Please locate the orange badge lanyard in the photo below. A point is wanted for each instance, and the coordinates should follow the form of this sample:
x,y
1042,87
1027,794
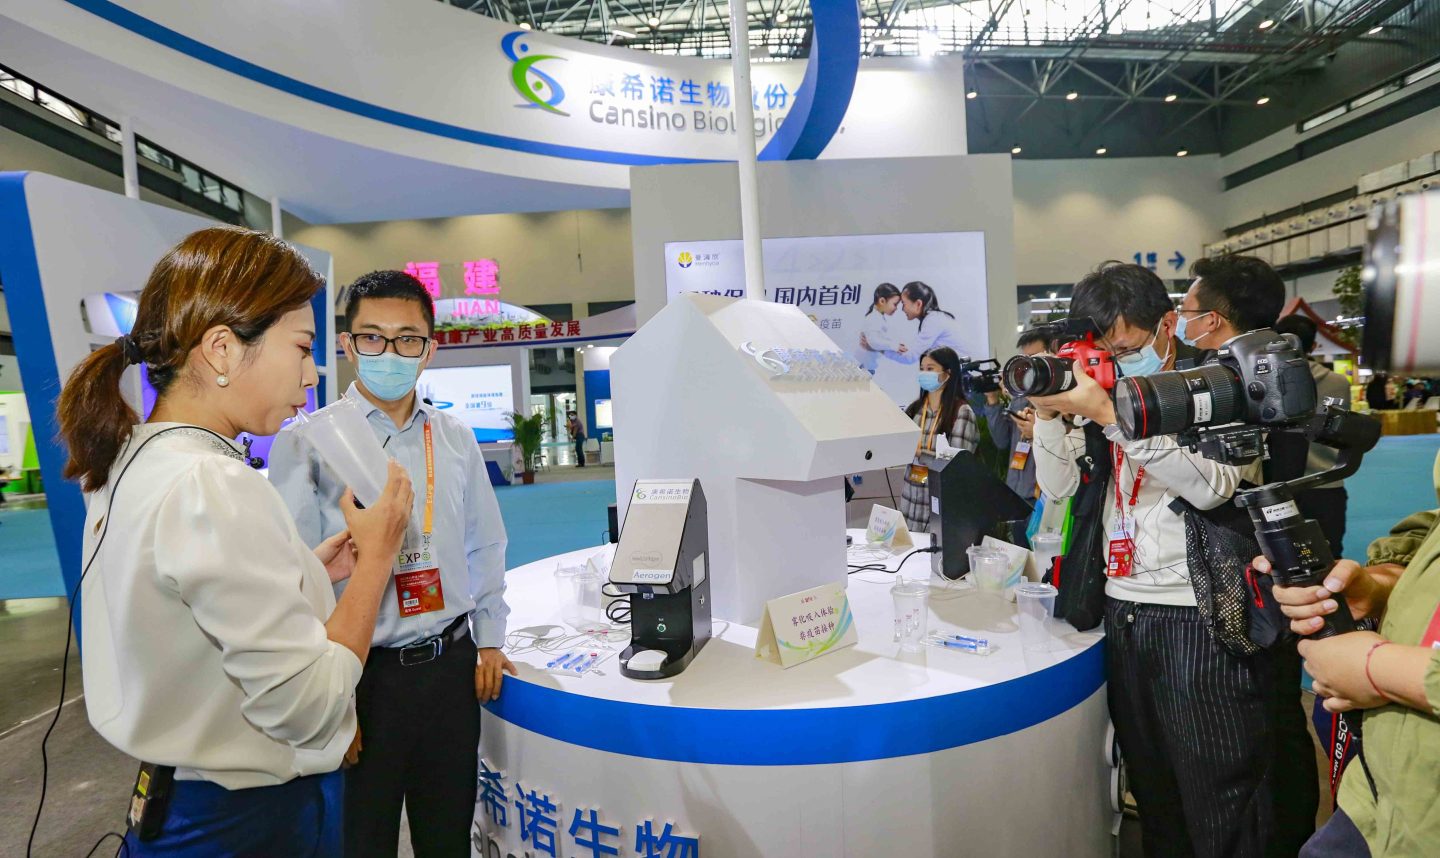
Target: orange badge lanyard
x,y
429,524
927,443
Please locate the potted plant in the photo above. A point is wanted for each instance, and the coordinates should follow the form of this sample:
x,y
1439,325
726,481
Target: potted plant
x,y
529,435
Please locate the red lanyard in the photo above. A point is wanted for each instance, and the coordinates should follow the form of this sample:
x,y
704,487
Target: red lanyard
x,y
1134,491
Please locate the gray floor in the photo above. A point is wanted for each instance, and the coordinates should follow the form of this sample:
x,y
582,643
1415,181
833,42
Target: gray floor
x,y
89,780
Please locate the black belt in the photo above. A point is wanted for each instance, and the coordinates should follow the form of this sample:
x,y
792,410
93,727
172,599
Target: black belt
x,y
431,648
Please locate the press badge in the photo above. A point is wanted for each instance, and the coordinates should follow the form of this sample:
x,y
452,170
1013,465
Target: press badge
x,y
1021,456
1121,559
417,581
919,475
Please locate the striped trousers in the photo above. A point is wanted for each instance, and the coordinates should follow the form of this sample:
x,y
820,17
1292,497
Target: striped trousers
x,y
1201,732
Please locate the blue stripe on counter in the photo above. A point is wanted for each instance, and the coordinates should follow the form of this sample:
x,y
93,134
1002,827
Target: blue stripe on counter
x,y
800,737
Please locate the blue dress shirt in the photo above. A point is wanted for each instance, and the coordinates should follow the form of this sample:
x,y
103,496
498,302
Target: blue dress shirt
x,y
468,534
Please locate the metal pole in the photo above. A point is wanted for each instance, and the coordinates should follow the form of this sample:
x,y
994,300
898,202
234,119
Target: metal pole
x,y
745,133
277,218
129,168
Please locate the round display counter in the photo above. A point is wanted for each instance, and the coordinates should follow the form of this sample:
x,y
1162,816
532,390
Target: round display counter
x,y
865,751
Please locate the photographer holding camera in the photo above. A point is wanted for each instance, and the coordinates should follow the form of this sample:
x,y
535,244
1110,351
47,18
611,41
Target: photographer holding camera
x,y
1196,723
1012,428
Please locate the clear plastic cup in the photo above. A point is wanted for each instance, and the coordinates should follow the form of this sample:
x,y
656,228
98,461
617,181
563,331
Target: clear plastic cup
x,y
912,613
580,603
344,440
990,568
1047,546
1035,605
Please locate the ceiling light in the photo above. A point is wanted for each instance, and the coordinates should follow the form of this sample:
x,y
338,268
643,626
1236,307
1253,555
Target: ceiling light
x,y
524,25
781,17
929,43
1015,150
1071,95
1182,153
1375,29
1263,100
972,94
1171,98
1101,151
654,21
1267,23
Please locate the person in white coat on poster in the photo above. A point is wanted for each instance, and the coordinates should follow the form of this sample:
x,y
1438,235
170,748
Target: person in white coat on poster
x,y
876,333
938,328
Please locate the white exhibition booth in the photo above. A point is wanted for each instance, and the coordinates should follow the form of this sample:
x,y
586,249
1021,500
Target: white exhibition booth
x,y
866,750
863,751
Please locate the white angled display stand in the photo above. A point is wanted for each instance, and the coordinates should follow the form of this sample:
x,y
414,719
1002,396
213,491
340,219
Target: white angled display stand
x,y
770,438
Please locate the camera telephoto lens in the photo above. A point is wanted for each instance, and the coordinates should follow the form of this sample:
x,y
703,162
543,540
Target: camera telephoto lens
x,y
1168,402
1041,375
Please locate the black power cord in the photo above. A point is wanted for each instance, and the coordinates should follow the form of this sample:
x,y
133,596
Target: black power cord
x,y
69,632
880,567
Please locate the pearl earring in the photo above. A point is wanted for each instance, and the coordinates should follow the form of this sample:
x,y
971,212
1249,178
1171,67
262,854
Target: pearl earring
x,y
223,381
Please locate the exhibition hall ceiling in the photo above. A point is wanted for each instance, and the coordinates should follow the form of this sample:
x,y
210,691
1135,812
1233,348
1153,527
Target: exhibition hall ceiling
x,y
1067,78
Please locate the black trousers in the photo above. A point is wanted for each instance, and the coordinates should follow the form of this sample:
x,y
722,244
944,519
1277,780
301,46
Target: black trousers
x,y
580,452
1198,730
420,731
1328,508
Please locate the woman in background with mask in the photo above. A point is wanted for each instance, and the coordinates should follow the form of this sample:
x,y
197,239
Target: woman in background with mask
x,y
941,407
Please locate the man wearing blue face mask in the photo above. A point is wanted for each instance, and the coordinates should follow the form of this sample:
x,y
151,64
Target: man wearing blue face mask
x,y
1194,722
435,655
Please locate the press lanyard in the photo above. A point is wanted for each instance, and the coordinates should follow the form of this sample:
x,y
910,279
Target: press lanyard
x,y
1134,491
429,483
927,443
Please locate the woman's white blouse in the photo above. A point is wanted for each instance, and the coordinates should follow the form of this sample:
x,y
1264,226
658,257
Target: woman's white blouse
x,y
204,642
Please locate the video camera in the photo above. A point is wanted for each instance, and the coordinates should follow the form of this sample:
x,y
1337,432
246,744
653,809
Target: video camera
x,y
1047,375
979,376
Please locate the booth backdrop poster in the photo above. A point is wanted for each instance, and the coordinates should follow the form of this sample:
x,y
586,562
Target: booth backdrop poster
x,y
480,396
834,278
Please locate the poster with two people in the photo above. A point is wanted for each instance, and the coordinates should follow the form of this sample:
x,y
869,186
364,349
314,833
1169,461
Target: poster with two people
x,y
883,299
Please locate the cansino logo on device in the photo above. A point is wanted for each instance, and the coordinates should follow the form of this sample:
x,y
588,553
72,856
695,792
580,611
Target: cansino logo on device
x,y
535,86
685,259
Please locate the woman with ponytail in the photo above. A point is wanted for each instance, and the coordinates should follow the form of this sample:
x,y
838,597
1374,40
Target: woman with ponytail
x,y
215,648
938,328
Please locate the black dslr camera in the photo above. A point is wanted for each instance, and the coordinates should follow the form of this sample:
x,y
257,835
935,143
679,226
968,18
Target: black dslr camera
x,y
1260,378
1258,383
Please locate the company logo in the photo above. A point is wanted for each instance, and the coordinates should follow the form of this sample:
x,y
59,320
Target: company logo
x,y
535,86
685,259
441,406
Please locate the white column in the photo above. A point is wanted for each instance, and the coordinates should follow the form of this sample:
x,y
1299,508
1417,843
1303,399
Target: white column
x,y
129,168
745,134
277,218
